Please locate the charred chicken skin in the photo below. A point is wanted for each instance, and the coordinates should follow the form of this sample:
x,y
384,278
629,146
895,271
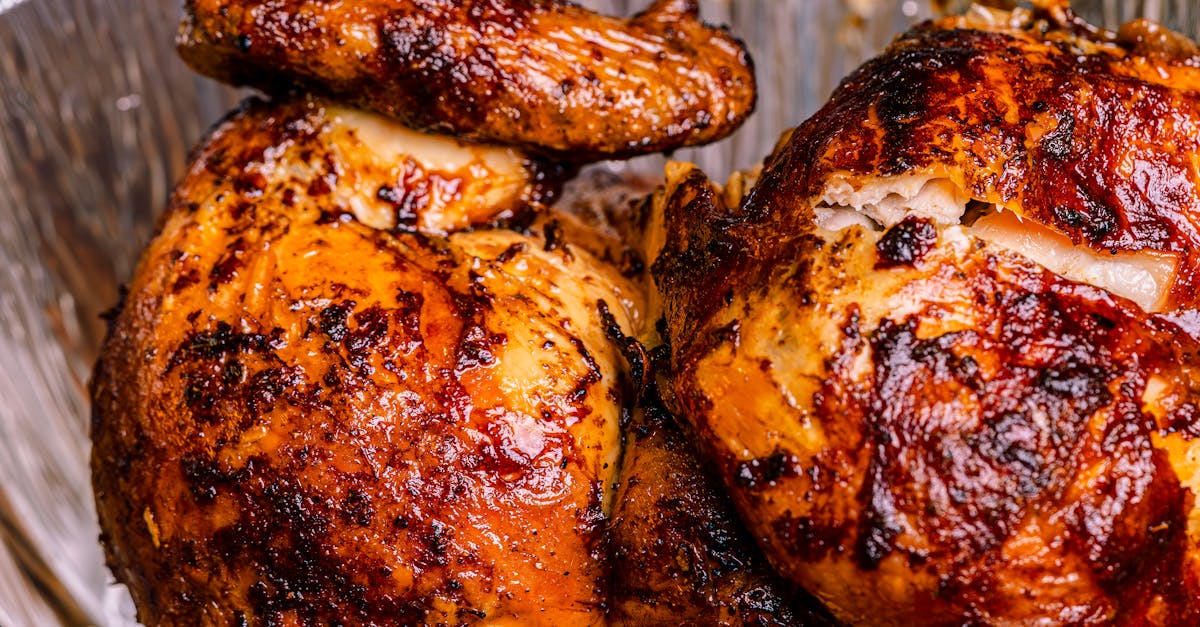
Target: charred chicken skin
x,y
305,418
943,352
545,75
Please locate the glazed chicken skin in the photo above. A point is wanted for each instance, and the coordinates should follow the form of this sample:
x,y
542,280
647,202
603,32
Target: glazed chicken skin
x,y
302,418
544,75
930,395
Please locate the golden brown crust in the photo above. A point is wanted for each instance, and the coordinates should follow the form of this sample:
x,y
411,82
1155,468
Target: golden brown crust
x,y
543,75
1090,132
958,437
299,418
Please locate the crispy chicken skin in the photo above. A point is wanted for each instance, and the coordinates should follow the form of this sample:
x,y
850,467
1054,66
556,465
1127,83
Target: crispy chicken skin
x,y
544,75
300,418
924,426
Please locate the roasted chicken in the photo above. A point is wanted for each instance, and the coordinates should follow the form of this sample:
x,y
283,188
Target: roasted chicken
x,y
363,375
682,557
544,75
943,352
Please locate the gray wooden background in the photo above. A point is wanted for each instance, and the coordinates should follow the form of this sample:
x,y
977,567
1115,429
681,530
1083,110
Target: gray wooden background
x,y
96,117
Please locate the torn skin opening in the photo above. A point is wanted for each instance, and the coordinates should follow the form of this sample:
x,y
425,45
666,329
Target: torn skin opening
x,y
1144,277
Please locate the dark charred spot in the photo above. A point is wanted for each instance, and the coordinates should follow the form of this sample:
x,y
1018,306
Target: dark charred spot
x,y
228,265
233,373
186,279
204,476
1015,438
763,472
593,375
905,243
631,263
631,349
371,330
1184,419
1068,216
511,252
358,508
410,196
320,186
437,540
1095,220
903,104
250,184
1057,143
1084,383
266,387
334,217
389,194
476,347
216,343
553,234
332,319
876,540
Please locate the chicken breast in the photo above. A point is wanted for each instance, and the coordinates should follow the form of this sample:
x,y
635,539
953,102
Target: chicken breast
x,y
897,351
320,402
544,75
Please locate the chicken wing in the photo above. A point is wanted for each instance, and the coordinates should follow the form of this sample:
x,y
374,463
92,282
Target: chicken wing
x,y
544,75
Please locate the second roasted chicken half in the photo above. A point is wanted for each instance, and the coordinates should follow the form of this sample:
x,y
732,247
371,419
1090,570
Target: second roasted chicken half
x,y
943,351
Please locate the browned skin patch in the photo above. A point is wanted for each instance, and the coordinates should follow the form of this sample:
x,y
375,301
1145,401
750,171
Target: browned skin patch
x,y
298,419
1090,132
547,76
681,557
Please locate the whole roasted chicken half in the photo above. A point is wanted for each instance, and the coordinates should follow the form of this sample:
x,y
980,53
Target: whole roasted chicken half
x,y
943,351
364,376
